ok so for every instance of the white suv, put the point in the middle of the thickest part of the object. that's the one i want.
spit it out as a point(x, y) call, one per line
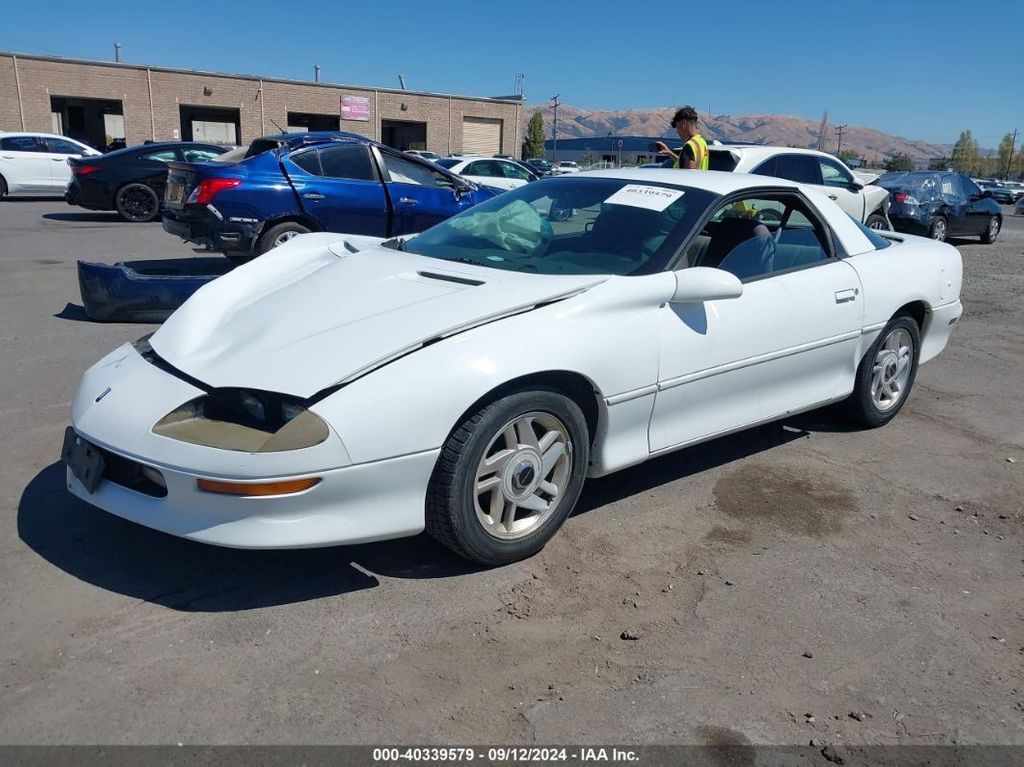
point(867, 204)
point(37, 163)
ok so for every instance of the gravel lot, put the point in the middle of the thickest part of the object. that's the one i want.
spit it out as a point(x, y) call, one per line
point(777, 580)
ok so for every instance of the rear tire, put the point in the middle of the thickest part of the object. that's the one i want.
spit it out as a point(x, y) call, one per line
point(278, 235)
point(3, 187)
point(992, 230)
point(508, 477)
point(137, 203)
point(878, 222)
point(939, 229)
point(886, 374)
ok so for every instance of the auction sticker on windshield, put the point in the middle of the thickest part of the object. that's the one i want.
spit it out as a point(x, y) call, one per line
point(642, 196)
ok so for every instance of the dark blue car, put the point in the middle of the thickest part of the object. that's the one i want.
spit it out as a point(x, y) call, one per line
point(250, 200)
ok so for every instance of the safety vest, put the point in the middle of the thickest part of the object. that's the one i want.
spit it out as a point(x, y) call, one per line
point(700, 151)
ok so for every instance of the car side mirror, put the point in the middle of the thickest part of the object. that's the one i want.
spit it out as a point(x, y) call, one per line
point(857, 183)
point(704, 283)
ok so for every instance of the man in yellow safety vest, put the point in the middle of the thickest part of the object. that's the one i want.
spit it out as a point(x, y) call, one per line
point(694, 154)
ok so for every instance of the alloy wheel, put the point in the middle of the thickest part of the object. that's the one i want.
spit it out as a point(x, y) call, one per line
point(138, 204)
point(891, 371)
point(993, 229)
point(282, 238)
point(522, 476)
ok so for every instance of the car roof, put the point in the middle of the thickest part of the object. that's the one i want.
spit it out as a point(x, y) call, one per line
point(763, 151)
point(40, 133)
point(718, 182)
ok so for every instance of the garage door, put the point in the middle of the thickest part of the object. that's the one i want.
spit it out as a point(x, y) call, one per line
point(481, 135)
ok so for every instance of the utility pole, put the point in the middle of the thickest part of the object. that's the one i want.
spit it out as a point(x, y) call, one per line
point(1009, 160)
point(554, 130)
point(839, 130)
point(316, 73)
point(117, 52)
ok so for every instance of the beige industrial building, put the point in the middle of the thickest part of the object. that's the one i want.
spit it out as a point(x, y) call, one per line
point(103, 102)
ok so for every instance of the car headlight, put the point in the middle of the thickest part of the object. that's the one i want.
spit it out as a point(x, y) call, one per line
point(244, 420)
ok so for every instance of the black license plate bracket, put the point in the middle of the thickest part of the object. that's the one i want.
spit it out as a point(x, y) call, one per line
point(83, 458)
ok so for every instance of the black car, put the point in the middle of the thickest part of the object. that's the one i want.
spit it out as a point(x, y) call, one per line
point(131, 181)
point(941, 205)
point(539, 166)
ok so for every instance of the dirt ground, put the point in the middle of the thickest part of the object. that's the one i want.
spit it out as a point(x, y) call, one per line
point(800, 581)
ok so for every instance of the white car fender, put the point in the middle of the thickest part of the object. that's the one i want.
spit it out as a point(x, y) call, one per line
point(892, 279)
point(618, 318)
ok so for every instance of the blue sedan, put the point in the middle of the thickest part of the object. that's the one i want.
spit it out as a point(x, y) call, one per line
point(250, 200)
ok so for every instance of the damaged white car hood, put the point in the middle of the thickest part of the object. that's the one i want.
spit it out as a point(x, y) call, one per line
point(306, 316)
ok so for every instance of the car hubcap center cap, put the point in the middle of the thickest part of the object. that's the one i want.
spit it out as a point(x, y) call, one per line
point(522, 474)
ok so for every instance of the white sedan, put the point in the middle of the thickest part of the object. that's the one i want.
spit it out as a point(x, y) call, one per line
point(467, 380)
point(37, 163)
point(854, 192)
point(493, 172)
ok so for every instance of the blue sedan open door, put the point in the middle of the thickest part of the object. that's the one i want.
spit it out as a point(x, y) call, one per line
point(421, 195)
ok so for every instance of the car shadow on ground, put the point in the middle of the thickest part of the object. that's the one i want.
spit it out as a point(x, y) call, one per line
point(105, 217)
point(33, 198)
point(707, 455)
point(123, 557)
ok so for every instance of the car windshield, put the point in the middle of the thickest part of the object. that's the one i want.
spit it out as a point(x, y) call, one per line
point(571, 226)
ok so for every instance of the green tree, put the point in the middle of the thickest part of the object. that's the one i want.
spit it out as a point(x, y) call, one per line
point(940, 163)
point(966, 155)
point(1006, 152)
point(899, 161)
point(533, 145)
point(849, 154)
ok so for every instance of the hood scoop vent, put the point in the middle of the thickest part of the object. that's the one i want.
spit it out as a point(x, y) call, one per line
point(451, 278)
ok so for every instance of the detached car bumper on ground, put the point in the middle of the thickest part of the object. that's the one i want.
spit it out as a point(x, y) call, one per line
point(468, 380)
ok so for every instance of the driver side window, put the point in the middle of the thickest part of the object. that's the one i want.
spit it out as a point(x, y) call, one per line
point(754, 237)
point(404, 171)
point(833, 174)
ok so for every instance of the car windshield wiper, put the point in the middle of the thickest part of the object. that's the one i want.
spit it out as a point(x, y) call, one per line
point(395, 243)
point(462, 260)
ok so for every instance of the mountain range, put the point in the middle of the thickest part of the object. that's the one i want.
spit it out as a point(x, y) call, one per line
point(781, 130)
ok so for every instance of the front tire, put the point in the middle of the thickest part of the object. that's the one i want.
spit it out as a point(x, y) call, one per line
point(508, 477)
point(279, 234)
point(877, 222)
point(886, 373)
point(991, 231)
point(939, 229)
point(137, 203)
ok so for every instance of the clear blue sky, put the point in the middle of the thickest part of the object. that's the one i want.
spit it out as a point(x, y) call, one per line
point(923, 70)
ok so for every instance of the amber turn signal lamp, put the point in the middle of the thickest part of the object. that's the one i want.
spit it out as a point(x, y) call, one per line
point(257, 489)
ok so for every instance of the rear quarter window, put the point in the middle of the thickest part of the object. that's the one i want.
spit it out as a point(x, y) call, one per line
point(723, 161)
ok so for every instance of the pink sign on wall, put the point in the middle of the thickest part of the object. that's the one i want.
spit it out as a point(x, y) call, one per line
point(355, 108)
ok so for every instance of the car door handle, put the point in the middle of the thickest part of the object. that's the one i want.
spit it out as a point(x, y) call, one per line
point(833, 196)
point(407, 200)
point(313, 196)
point(844, 296)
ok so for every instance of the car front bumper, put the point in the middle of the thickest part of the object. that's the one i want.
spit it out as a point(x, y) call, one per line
point(123, 396)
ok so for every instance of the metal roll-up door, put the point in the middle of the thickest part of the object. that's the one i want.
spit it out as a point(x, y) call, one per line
point(481, 135)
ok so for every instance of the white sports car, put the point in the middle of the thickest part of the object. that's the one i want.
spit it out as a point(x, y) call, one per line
point(467, 380)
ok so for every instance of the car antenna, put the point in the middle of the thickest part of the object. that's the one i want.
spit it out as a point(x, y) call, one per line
point(279, 128)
